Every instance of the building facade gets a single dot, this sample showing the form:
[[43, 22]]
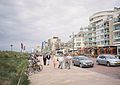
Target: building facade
[[104, 31], [102, 34], [100, 22], [53, 44], [116, 29]]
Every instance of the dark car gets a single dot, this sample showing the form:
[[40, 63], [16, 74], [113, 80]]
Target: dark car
[[82, 61]]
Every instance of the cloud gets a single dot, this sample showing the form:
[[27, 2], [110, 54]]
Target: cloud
[[32, 22]]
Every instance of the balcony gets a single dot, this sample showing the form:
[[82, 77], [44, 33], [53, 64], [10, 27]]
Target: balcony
[[116, 28], [116, 41], [116, 37], [117, 19]]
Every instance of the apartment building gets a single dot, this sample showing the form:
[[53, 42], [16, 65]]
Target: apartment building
[[79, 41], [54, 43], [100, 22], [116, 29], [102, 34]]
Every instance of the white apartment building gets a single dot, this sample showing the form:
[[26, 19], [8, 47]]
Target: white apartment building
[[116, 29], [90, 36], [79, 40], [99, 22], [54, 43], [102, 34]]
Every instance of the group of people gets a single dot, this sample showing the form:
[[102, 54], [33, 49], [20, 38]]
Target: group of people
[[62, 61]]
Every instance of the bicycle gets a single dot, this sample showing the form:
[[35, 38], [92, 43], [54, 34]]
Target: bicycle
[[33, 68], [37, 67]]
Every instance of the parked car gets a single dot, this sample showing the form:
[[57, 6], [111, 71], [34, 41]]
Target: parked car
[[82, 61], [108, 60]]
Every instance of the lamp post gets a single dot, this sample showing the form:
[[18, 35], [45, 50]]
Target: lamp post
[[73, 42], [73, 38], [11, 47]]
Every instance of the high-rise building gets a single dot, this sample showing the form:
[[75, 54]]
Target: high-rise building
[[100, 23], [116, 29], [104, 31], [102, 34]]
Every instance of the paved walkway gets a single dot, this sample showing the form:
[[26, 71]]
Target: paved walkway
[[74, 76]]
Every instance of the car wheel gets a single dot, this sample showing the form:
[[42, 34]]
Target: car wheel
[[97, 62], [81, 65], [108, 64], [92, 66]]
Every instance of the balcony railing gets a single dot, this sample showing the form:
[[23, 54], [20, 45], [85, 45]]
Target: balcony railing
[[116, 37], [116, 28], [116, 20]]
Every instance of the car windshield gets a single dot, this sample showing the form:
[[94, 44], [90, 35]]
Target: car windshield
[[110, 57], [84, 58]]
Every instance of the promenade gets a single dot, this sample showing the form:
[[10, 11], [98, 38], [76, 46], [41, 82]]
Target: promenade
[[74, 76]]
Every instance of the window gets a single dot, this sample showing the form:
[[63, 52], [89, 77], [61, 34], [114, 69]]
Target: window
[[101, 57]]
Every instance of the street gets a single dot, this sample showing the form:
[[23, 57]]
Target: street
[[98, 75], [113, 71]]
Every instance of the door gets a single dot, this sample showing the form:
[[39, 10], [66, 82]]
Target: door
[[77, 61]]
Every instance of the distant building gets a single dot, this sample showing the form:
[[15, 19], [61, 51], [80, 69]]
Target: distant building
[[54, 43], [79, 41]]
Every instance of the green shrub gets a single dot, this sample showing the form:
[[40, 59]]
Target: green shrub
[[12, 64]]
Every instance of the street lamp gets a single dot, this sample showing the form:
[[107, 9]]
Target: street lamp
[[73, 38], [11, 47], [73, 43]]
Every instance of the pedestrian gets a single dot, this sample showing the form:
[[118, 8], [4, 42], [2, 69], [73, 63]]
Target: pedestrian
[[44, 59], [61, 60], [67, 62], [48, 59], [54, 61]]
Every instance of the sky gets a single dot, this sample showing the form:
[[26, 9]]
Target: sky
[[33, 21]]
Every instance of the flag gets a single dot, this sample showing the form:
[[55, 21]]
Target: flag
[[24, 48], [21, 45]]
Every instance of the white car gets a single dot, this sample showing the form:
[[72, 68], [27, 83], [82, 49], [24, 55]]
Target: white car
[[108, 60]]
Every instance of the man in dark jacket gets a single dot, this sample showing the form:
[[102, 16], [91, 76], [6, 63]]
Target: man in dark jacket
[[44, 59], [48, 59]]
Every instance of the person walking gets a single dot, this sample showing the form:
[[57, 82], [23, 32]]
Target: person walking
[[48, 59], [55, 62], [67, 62], [44, 59], [61, 60]]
